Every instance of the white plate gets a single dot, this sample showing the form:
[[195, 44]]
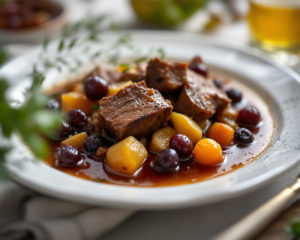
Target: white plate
[[278, 85]]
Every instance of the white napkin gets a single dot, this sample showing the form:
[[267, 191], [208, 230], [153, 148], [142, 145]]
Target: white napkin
[[24, 213]]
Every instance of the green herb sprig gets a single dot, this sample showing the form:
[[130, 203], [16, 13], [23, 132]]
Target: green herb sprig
[[293, 229], [30, 120]]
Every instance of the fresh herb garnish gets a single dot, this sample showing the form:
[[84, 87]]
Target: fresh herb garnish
[[30, 120], [95, 107], [294, 228], [3, 57]]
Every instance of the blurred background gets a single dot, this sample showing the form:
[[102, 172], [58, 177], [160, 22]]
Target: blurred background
[[268, 25]]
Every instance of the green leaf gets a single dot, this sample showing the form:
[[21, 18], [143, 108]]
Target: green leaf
[[140, 59], [162, 53], [38, 145], [61, 45], [294, 228], [95, 107], [46, 121], [125, 67], [37, 79], [45, 43], [96, 54], [3, 57], [72, 43]]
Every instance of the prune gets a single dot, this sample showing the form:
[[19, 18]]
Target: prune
[[243, 136], [199, 68], [77, 118], [248, 117], [218, 84], [234, 94], [63, 132], [182, 145], [68, 156], [92, 143], [95, 88], [166, 161]]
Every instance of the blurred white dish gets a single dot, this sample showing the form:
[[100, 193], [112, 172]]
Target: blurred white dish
[[35, 34]]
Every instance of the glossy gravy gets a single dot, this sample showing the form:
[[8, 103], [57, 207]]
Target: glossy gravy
[[93, 168]]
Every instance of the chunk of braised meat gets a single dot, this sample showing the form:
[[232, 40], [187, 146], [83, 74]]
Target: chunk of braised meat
[[165, 77], [135, 75], [108, 73], [134, 111], [200, 98], [197, 65]]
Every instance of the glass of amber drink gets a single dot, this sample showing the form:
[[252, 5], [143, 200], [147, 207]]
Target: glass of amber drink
[[275, 24]]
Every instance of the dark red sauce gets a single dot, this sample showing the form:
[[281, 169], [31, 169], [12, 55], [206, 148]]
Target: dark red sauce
[[94, 168]]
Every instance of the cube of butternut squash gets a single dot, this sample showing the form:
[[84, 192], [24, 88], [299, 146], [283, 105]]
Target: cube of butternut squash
[[187, 126], [116, 87], [126, 156], [161, 138], [76, 100], [76, 141]]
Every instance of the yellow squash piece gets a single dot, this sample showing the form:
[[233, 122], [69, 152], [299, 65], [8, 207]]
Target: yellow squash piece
[[161, 138], [126, 156], [76, 141], [76, 100], [187, 126], [116, 87]]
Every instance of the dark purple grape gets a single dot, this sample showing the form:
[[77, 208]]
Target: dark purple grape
[[92, 143], [218, 84], [182, 145], [77, 118], [63, 132], [199, 68], [243, 136], [234, 94], [166, 161], [68, 156], [53, 104], [95, 88], [248, 117]]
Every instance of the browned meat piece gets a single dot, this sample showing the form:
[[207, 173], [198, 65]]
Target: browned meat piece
[[164, 76], [199, 98], [108, 73], [134, 111], [135, 75]]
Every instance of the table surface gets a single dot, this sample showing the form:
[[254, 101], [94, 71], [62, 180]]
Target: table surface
[[202, 222]]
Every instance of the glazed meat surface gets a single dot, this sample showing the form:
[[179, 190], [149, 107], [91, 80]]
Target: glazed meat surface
[[165, 77], [134, 111], [135, 75], [199, 97], [108, 73]]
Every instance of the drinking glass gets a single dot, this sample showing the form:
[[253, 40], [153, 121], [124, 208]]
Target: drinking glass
[[275, 28]]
